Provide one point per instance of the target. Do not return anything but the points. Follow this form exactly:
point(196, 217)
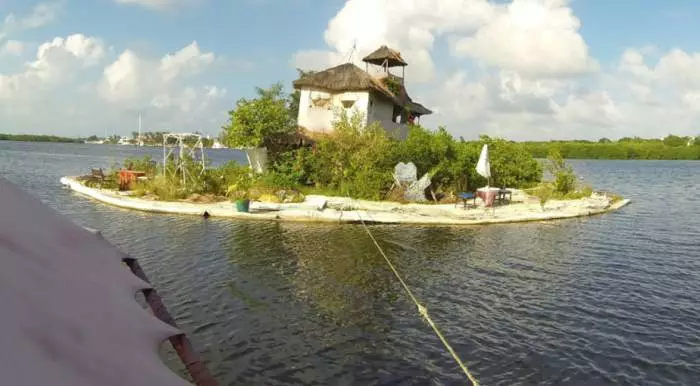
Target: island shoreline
point(369, 212)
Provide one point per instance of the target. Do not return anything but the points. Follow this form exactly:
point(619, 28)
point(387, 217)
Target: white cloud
point(164, 89)
point(412, 27)
point(57, 62)
point(680, 68)
point(82, 88)
point(134, 81)
point(76, 49)
point(521, 69)
point(40, 15)
point(594, 108)
point(12, 47)
point(533, 37)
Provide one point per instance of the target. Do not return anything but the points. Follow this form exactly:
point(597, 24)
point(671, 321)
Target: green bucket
point(242, 205)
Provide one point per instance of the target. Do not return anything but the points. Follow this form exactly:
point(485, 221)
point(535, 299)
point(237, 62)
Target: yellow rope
point(421, 309)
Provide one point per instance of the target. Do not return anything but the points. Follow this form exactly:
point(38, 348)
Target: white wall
point(320, 118)
point(381, 110)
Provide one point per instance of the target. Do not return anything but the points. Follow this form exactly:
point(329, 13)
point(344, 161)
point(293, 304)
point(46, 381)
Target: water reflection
point(605, 300)
point(335, 270)
point(340, 272)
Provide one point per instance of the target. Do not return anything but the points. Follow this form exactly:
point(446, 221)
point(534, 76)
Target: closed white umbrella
point(483, 167)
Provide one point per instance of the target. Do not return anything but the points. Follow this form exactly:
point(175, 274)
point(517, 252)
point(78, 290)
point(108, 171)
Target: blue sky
point(589, 87)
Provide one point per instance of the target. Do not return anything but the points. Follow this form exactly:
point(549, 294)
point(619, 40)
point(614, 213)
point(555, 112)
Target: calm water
point(608, 300)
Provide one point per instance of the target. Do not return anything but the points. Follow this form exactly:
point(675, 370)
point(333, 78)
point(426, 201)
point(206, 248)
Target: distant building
point(375, 92)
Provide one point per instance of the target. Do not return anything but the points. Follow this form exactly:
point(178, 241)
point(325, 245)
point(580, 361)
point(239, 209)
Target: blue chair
point(466, 196)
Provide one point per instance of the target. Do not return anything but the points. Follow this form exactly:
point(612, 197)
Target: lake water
point(607, 300)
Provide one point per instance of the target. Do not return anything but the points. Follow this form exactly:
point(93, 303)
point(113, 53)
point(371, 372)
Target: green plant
point(584, 192)
point(393, 84)
point(616, 198)
point(109, 182)
point(354, 160)
point(217, 180)
point(240, 187)
point(511, 164)
point(161, 187)
point(544, 193)
point(237, 193)
point(564, 176)
point(261, 122)
point(145, 164)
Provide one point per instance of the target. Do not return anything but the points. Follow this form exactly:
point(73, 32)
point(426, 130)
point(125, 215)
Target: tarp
point(483, 167)
point(67, 310)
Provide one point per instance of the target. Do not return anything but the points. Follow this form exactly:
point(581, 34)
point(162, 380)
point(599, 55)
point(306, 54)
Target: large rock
point(406, 172)
point(416, 191)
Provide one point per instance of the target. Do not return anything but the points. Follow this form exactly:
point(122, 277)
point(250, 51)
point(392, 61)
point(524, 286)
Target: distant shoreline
point(39, 138)
point(625, 149)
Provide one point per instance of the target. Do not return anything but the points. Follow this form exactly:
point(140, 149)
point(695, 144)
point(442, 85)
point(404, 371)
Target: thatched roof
point(417, 108)
point(385, 54)
point(346, 77)
point(349, 77)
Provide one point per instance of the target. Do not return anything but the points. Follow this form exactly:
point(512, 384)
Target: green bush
point(358, 161)
point(669, 148)
point(289, 171)
point(167, 182)
point(164, 188)
point(261, 122)
point(564, 176)
point(145, 164)
point(584, 192)
point(355, 160)
point(436, 153)
point(452, 163)
point(511, 164)
point(544, 193)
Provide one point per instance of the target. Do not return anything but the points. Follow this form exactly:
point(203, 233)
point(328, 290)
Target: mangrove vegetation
point(38, 138)
point(354, 160)
point(672, 147)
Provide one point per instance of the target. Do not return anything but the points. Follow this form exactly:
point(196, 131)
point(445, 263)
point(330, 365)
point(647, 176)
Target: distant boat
point(218, 145)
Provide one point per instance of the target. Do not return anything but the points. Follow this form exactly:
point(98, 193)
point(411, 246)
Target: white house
point(377, 94)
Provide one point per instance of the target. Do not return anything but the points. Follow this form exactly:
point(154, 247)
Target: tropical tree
point(261, 121)
point(674, 140)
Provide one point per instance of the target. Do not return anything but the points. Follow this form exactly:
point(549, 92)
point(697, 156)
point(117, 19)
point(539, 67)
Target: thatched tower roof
point(385, 54)
point(349, 77)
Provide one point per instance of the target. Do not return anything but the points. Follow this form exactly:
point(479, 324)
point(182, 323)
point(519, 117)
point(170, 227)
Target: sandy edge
point(305, 212)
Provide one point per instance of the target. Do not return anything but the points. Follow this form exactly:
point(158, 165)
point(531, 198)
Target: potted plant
point(240, 194)
point(242, 200)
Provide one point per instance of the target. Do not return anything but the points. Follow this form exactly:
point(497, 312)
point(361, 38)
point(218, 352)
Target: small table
point(502, 193)
point(126, 177)
point(488, 195)
point(466, 196)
